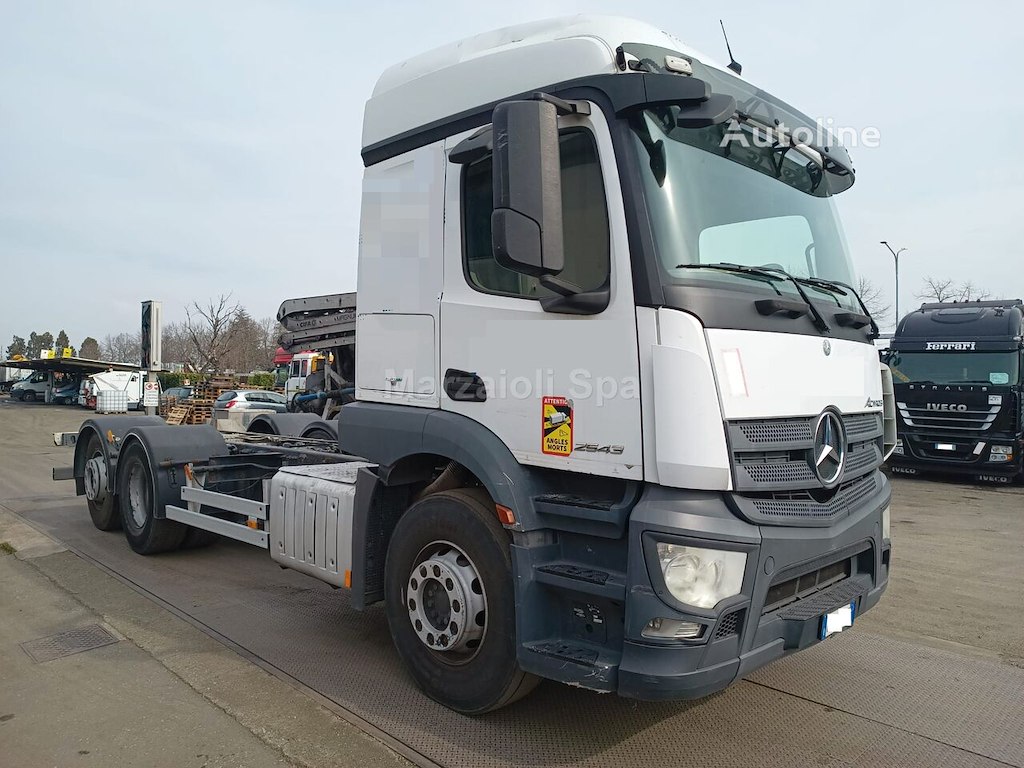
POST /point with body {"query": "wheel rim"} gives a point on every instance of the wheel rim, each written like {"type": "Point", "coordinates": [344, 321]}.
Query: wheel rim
{"type": "Point", "coordinates": [96, 478]}
{"type": "Point", "coordinates": [447, 603]}
{"type": "Point", "coordinates": [138, 494]}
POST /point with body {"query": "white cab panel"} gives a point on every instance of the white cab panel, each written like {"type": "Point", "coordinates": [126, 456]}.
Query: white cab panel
{"type": "Point", "coordinates": [523, 353]}
{"type": "Point", "coordinates": [400, 277]}
{"type": "Point", "coordinates": [690, 450]}
{"type": "Point", "coordinates": [402, 358]}
{"type": "Point", "coordinates": [773, 375]}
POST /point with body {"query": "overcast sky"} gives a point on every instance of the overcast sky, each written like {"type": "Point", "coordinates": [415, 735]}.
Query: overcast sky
{"type": "Point", "coordinates": [178, 150]}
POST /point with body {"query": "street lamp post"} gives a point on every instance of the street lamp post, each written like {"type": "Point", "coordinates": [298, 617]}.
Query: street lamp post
{"type": "Point", "coordinates": [896, 258]}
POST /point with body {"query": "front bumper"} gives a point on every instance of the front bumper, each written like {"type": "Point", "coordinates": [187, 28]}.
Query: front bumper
{"type": "Point", "coordinates": [920, 454]}
{"type": "Point", "coordinates": [765, 621]}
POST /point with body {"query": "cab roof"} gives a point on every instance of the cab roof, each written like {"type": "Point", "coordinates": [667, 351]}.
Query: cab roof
{"type": "Point", "coordinates": [482, 69]}
{"type": "Point", "coordinates": [990, 325]}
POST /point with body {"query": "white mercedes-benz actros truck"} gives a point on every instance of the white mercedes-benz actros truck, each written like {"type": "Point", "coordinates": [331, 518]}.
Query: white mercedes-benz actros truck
{"type": "Point", "coordinates": [615, 414]}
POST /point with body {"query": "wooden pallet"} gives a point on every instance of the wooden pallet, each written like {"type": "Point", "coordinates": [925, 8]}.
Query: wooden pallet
{"type": "Point", "coordinates": [178, 415]}
{"type": "Point", "coordinates": [199, 415]}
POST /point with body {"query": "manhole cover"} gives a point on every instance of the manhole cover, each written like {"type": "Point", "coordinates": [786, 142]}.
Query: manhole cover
{"type": "Point", "coordinates": [68, 643]}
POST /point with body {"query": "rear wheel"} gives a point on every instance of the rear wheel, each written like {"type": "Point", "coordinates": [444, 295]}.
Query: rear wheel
{"type": "Point", "coordinates": [451, 605]}
{"type": "Point", "coordinates": [136, 485]}
{"type": "Point", "coordinates": [102, 502]}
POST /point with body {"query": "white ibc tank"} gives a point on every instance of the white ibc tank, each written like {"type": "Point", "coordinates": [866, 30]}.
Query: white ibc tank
{"type": "Point", "coordinates": [111, 401]}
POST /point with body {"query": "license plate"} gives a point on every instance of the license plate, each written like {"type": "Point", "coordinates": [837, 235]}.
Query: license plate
{"type": "Point", "coordinates": [837, 620]}
{"type": "Point", "coordinates": [945, 447]}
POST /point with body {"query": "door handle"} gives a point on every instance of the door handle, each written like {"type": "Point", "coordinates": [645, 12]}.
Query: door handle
{"type": "Point", "coordinates": [464, 386]}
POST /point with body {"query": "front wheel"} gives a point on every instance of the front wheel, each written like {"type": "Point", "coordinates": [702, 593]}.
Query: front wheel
{"type": "Point", "coordinates": [29, 397]}
{"type": "Point", "coordinates": [137, 495]}
{"type": "Point", "coordinates": [451, 604]}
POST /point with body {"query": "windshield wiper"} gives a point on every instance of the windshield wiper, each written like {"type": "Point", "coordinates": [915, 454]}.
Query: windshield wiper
{"type": "Point", "coordinates": [819, 319]}
{"type": "Point", "coordinates": [772, 273]}
{"type": "Point", "coordinates": [843, 288]}
{"type": "Point", "coordinates": [725, 266]}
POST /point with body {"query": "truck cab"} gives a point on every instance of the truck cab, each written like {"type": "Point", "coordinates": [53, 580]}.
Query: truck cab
{"type": "Point", "coordinates": [618, 297]}
{"type": "Point", "coordinates": [301, 366]}
{"type": "Point", "coordinates": [957, 376]}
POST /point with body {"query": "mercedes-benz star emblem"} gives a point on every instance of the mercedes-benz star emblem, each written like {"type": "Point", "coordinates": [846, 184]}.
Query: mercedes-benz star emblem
{"type": "Point", "coordinates": [829, 449]}
{"type": "Point", "coordinates": [826, 347]}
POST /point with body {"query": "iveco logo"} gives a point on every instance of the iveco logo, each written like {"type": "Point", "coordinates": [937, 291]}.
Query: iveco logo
{"type": "Point", "coordinates": [826, 347]}
{"type": "Point", "coordinates": [945, 406]}
{"type": "Point", "coordinates": [829, 449]}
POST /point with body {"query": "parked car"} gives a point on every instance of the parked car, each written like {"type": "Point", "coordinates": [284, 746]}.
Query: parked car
{"type": "Point", "coordinates": [66, 391]}
{"type": "Point", "coordinates": [248, 399]}
{"type": "Point", "coordinates": [180, 394]}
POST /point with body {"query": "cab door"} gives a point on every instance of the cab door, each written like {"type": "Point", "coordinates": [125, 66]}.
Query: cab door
{"type": "Point", "coordinates": [560, 390]}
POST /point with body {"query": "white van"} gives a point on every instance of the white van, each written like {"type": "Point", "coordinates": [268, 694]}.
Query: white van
{"type": "Point", "coordinates": [34, 387]}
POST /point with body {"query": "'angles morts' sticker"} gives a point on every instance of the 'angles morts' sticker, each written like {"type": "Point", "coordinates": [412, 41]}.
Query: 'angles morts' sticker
{"type": "Point", "coordinates": [556, 426]}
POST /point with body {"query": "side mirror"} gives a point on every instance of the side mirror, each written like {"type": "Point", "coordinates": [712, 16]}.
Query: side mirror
{"type": "Point", "coordinates": [526, 224]}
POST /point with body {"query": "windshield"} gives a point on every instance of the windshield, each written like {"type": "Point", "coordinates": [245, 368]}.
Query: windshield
{"type": "Point", "coordinates": [712, 204]}
{"type": "Point", "coordinates": [955, 367]}
{"type": "Point", "coordinates": [742, 192]}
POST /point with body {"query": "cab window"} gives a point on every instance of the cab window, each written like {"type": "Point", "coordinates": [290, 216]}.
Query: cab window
{"type": "Point", "coordinates": [584, 219]}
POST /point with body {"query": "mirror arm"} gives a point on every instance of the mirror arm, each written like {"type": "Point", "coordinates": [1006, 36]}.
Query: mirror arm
{"type": "Point", "coordinates": [559, 286]}
{"type": "Point", "coordinates": [563, 106]}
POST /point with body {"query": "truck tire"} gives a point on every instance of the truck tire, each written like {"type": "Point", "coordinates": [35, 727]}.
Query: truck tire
{"type": "Point", "coordinates": [136, 487]}
{"type": "Point", "coordinates": [104, 513]}
{"type": "Point", "coordinates": [450, 602]}
{"type": "Point", "coordinates": [196, 538]}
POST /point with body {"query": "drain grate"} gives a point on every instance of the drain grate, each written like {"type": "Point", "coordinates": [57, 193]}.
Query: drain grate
{"type": "Point", "coordinates": [68, 643]}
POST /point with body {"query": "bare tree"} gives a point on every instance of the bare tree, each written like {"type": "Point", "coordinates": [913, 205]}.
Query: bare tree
{"type": "Point", "coordinates": [945, 289]}
{"type": "Point", "coordinates": [175, 343]}
{"type": "Point", "coordinates": [123, 348]}
{"type": "Point", "coordinates": [211, 330]}
{"type": "Point", "coordinates": [247, 350]}
{"type": "Point", "coordinates": [873, 300]}
{"type": "Point", "coordinates": [271, 331]}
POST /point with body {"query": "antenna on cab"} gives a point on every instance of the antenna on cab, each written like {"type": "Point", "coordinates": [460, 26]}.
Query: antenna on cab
{"type": "Point", "coordinates": [734, 65]}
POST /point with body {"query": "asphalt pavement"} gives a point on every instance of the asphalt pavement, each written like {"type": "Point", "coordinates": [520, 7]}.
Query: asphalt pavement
{"type": "Point", "coordinates": [280, 668]}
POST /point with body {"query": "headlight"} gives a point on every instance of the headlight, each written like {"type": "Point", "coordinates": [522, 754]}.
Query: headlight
{"type": "Point", "coordinates": [701, 577]}
{"type": "Point", "coordinates": [885, 524]}
{"type": "Point", "coordinates": [898, 448]}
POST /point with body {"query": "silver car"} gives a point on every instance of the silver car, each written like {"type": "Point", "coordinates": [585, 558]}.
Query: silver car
{"type": "Point", "coordinates": [248, 399]}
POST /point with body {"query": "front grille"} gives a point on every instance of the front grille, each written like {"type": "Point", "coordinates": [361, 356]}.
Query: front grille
{"type": "Point", "coordinates": [729, 624]}
{"type": "Point", "coordinates": [765, 469]}
{"type": "Point", "coordinates": [775, 455]}
{"type": "Point", "coordinates": [783, 507]}
{"type": "Point", "coordinates": [805, 585]}
{"type": "Point", "coordinates": [862, 426]}
{"type": "Point", "coordinates": [777, 431]}
{"type": "Point", "coordinates": [972, 420]}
